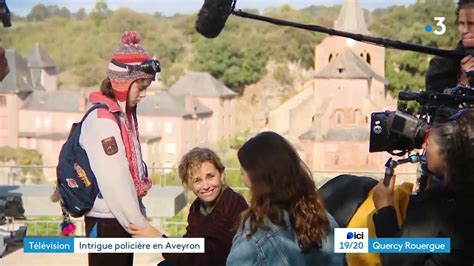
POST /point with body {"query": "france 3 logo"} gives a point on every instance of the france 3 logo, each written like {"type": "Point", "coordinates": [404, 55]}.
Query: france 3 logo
{"type": "Point", "coordinates": [351, 240]}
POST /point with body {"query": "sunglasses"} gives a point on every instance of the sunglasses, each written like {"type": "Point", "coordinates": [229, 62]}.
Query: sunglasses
{"type": "Point", "coordinates": [150, 66]}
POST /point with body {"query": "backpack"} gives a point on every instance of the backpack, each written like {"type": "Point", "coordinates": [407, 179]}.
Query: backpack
{"type": "Point", "coordinates": [76, 183]}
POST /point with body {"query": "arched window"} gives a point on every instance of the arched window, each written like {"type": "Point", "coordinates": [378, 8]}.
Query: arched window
{"type": "Point", "coordinates": [330, 58]}
{"type": "Point", "coordinates": [339, 117]}
{"type": "Point", "coordinates": [368, 58]}
{"type": "Point", "coordinates": [357, 116]}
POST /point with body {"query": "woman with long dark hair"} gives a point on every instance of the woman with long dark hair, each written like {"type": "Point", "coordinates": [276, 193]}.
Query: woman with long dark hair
{"type": "Point", "coordinates": [443, 209]}
{"type": "Point", "coordinates": [286, 223]}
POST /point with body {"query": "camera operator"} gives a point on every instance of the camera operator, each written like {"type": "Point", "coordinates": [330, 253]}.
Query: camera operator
{"type": "Point", "coordinates": [443, 209]}
{"type": "Point", "coordinates": [446, 72]}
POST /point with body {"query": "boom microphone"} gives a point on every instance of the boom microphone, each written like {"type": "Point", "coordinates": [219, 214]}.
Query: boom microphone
{"type": "Point", "coordinates": [214, 13]}
{"type": "Point", "coordinates": [212, 17]}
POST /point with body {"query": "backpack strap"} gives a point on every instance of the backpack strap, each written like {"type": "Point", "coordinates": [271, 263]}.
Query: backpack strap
{"type": "Point", "coordinates": [116, 115]}
{"type": "Point", "coordinates": [102, 105]}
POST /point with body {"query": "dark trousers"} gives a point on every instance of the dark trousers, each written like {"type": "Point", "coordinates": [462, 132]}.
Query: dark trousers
{"type": "Point", "coordinates": [108, 228]}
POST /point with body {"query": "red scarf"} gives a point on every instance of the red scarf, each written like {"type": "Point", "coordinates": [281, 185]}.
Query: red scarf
{"type": "Point", "coordinates": [142, 186]}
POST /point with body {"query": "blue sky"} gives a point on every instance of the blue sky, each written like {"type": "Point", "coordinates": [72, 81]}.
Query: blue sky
{"type": "Point", "coordinates": [171, 7]}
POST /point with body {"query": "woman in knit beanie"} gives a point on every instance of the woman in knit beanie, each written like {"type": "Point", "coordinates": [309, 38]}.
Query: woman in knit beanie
{"type": "Point", "coordinates": [114, 149]}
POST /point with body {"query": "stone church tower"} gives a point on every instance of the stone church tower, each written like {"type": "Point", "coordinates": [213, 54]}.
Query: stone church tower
{"type": "Point", "coordinates": [328, 121]}
{"type": "Point", "coordinates": [351, 19]}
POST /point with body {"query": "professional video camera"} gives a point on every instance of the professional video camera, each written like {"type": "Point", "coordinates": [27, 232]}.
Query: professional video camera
{"type": "Point", "coordinates": [7, 237]}
{"type": "Point", "coordinates": [11, 206]}
{"type": "Point", "coordinates": [401, 131]}
{"type": "Point", "coordinates": [396, 131]}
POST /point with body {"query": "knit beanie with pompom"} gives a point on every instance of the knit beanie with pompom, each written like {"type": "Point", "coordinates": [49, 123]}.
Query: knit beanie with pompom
{"type": "Point", "coordinates": [129, 52]}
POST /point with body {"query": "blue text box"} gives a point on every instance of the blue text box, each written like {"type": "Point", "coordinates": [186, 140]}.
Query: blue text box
{"type": "Point", "coordinates": [409, 245]}
{"type": "Point", "coordinates": [48, 245]}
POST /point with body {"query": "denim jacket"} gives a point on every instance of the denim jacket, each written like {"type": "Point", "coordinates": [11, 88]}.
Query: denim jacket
{"type": "Point", "coordinates": [279, 246]}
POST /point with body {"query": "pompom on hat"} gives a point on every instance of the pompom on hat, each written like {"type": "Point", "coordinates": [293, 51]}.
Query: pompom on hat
{"type": "Point", "coordinates": [129, 52]}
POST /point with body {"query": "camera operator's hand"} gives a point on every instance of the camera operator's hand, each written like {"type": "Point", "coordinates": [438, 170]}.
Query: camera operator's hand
{"type": "Point", "coordinates": [467, 66]}
{"type": "Point", "coordinates": [382, 195]}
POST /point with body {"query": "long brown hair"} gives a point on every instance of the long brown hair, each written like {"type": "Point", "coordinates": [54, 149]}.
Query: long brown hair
{"type": "Point", "coordinates": [280, 180]}
{"type": "Point", "coordinates": [456, 142]}
{"type": "Point", "coordinates": [106, 88]}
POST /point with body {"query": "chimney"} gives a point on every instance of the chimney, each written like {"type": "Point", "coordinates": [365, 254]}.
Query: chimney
{"type": "Point", "coordinates": [82, 101]}
{"type": "Point", "coordinates": [190, 106]}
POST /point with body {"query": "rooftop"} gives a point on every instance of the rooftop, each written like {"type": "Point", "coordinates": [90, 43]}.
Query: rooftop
{"type": "Point", "coordinates": [200, 84]}
{"type": "Point", "coordinates": [19, 78]}
{"type": "Point", "coordinates": [348, 65]}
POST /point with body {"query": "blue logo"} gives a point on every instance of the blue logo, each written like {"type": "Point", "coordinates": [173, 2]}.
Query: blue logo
{"type": "Point", "coordinates": [355, 235]}
{"type": "Point", "coordinates": [350, 235]}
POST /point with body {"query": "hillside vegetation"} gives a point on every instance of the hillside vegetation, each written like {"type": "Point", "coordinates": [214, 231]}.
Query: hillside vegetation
{"type": "Point", "coordinates": [81, 44]}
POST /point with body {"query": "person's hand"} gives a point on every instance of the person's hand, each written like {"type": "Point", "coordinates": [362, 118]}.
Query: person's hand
{"type": "Point", "coordinates": [467, 64]}
{"type": "Point", "coordinates": [382, 195]}
{"type": "Point", "coordinates": [147, 231]}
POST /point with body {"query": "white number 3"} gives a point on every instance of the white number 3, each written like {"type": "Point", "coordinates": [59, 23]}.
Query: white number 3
{"type": "Point", "coordinates": [440, 24]}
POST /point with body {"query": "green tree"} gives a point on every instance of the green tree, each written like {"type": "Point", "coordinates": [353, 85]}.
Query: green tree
{"type": "Point", "coordinates": [125, 19]}
{"type": "Point", "coordinates": [226, 60]}
{"type": "Point", "coordinates": [405, 70]}
{"type": "Point", "coordinates": [238, 140]}
{"type": "Point", "coordinates": [100, 12]}
{"type": "Point", "coordinates": [64, 12]}
{"type": "Point", "coordinates": [16, 18]}
{"type": "Point", "coordinates": [38, 13]}
{"type": "Point", "coordinates": [80, 14]}
{"type": "Point", "coordinates": [41, 12]}
{"type": "Point", "coordinates": [81, 48]}
{"type": "Point", "coordinates": [282, 75]}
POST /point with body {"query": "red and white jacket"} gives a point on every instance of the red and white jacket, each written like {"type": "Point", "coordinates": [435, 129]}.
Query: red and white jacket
{"type": "Point", "coordinates": [116, 160]}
